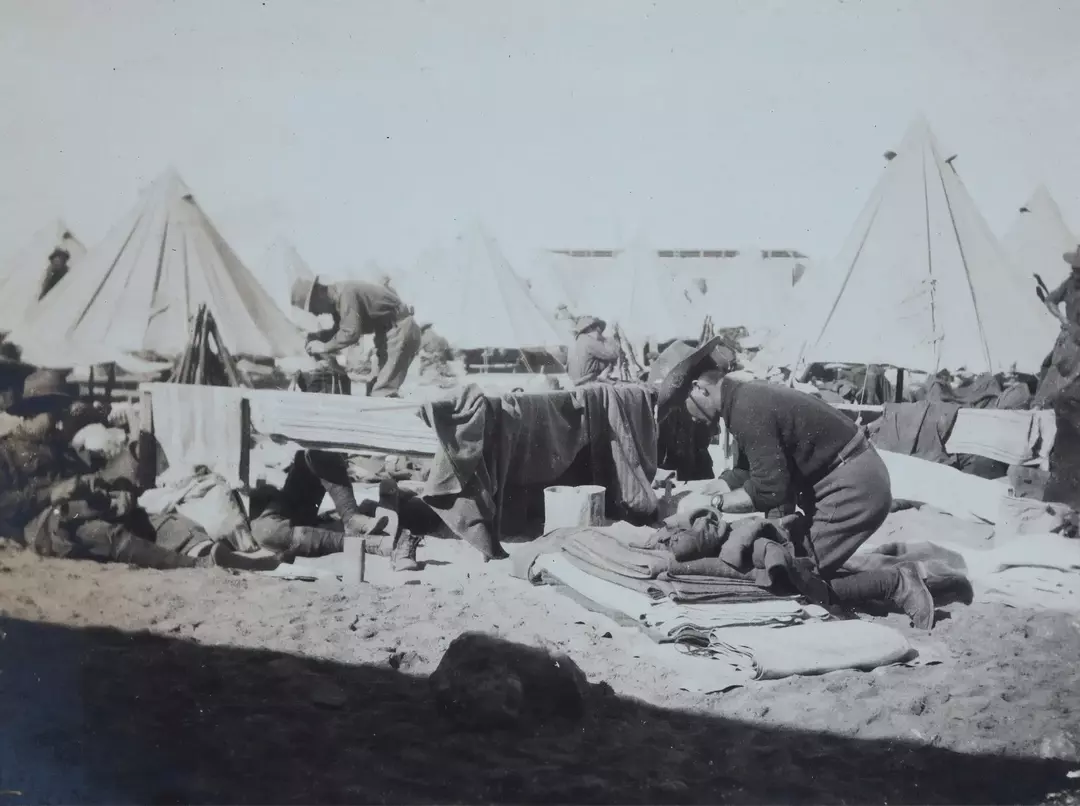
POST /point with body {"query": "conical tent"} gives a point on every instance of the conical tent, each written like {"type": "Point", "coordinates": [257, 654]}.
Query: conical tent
{"type": "Point", "coordinates": [761, 295]}
{"type": "Point", "coordinates": [642, 297]}
{"type": "Point", "coordinates": [922, 283]}
{"type": "Point", "coordinates": [137, 291]}
{"type": "Point", "coordinates": [549, 285]}
{"type": "Point", "coordinates": [280, 267]}
{"type": "Point", "coordinates": [371, 271]}
{"type": "Point", "coordinates": [1038, 239]}
{"type": "Point", "coordinates": [22, 275]}
{"type": "Point", "coordinates": [474, 299]}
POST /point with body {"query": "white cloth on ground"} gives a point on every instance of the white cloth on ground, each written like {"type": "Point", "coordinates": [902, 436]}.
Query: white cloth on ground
{"type": "Point", "coordinates": [815, 647]}
{"type": "Point", "coordinates": [205, 498]}
{"type": "Point", "coordinates": [944, 488]}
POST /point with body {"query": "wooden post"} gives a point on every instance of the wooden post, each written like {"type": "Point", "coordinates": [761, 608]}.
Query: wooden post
{"type": "Point", "coordinates": [899, 385]}
{"type": "Point", "coordinates": [147, 445]}
{"type": "Point", "coordinates": [355, 561]}
{"type": "Point", "coordinates": [245, 443]}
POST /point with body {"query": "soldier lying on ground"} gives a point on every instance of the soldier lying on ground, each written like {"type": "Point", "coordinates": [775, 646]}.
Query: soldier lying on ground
{"type": "Point", "coordinates": [51, 500]}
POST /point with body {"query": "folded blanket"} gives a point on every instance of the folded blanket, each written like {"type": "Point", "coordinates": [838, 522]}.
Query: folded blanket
{"type": "Point", "coordinates": [772, 638]}
{"type": "Point", "coordinates": [712, 589]}
{"type": "Point", "coordinates": [769, 565]}
{"type": "Point", "coordinates": [600, 548]}
{"type": "Point", "coordinates": [816, 647]}
{"type": "Point", "coordinates": [663, 618]}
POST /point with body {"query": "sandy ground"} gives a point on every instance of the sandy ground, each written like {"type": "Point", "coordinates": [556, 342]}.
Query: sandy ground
{"type": "Point", "coordinates": [123, 685]}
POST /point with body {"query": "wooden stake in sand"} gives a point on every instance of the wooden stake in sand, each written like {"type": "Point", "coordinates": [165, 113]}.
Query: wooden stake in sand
{"type": "Point", "coordinates": [355, 561]}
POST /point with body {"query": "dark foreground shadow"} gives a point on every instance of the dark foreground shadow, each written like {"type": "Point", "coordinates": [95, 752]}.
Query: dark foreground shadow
{"type": "Point", "coordinates": [100, 716]}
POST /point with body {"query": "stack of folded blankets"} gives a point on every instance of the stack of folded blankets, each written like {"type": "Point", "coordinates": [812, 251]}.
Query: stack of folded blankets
{"type": "Point", "coordinates": [699, 559]}
{"type": "Point", "coordinates": [765, 639]}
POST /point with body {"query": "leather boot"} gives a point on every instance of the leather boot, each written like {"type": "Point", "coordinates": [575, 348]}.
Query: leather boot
{"type": "Point", "coordinates": [379, 545]}
{"type": "Point", "coordinates": [401, 551]}
{"type": "Point", "coordinates": [224, 557]}
{"type": "Point", "coordinates": [945, 585]}
{"type": "Point", "coordinates": [359, 525]}
{"type": "Point", "coordinates": [913, 598]}
{"type": "Point", "coordinates": [403, 555]}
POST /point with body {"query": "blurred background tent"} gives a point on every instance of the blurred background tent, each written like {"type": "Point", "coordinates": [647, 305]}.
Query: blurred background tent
{"type": "Point", "coordinates": [137, 291]}
{"type": "Point", "coordinates": [636, 292]}
{"type": "Point", "coordinates": [281, 265]}
{"type": "Point", "coordinates": [472, 296]}
{"type": "Point", "coordinates": [22, 274]}
{"type": "Point", "coordinates": [1038, 239]}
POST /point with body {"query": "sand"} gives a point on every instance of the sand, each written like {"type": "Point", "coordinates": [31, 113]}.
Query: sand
{"type": "Point", "coordinates": [126, 685]}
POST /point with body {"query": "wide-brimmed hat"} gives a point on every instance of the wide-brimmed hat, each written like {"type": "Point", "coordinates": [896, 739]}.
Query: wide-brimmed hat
{"type": "Point", "coordinates": [42, 390]}
{"type": "Point", "coordinates": [58, 252]}
{"type": "Point", "coordinates": [681, 364]}
{"type": "Point", "coordinates": [1073, 258]}
{"type": "Point", "coordinates": [583, 323]}
{"type": "Point", "coordinates": [302, 291]}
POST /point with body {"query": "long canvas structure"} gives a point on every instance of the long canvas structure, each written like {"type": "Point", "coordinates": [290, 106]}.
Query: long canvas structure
{"type": "Point", "coordinates": [137, 291]}
{"type": "Point", "coordinates": [22, 275]}
{"type": "Point", "coordinates": [922, 283]}
{"type": "Point", "coordinates": [1038, 239]}
{"type": "Point", "coordinates": [472, 296]}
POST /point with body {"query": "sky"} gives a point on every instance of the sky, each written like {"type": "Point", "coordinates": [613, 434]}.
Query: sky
{"type": "Point", "coordinates": [361, 129]}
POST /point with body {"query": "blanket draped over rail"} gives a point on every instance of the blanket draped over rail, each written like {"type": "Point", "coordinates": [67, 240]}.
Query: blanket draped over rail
{"type": "Point", "coordinates": [488, 445]}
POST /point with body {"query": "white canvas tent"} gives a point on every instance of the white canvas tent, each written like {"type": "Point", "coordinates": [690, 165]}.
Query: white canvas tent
{"type": "Point", "coordinates": [137, 291]}
{"type": "Point", "coordinates": [642, 297]}
{"type": "Point", "coordinates": [372, 272]}
{"type": "Point", "coordinates": [280, 267]}
{"type": "Point", "coordinates": [472, 296]}
{"type": "Point", "coordinates": [21, 276]}
{"type": "Point", "coordinates": [762, 295]}
{"type": "Point", "coordinates": [549, 284]}
{"type": "Point", "coordinates": [1038, 240]}
{"type": "Point", "coordinates": [922, 283]}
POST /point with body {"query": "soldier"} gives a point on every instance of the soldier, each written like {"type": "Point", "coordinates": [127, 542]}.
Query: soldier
{"type": "Point", "coordinates": [360, 309]}
{"type": "Point", "coordinates": [802, 450]}
{"type": "Point", "coordinates": [592, 357]}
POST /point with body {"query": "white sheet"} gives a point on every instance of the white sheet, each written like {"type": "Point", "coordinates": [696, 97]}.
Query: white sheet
{"type": "Point", "coordinates": [1012, 437]}
{"type": "Point", "coordinates": [1040, 572]}
{"type": "Point", "coordinates": [944, 488]}
{"type": "Point", "coordinates": [199, 425]}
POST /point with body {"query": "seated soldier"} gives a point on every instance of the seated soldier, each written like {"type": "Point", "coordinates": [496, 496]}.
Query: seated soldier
{"type": "Point", "coordinates": [592, 357]}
